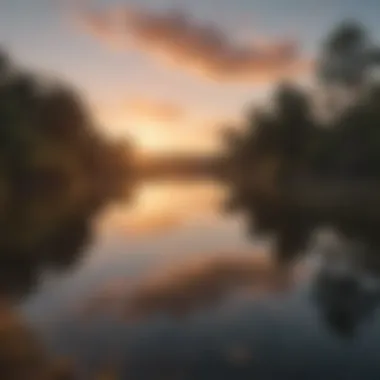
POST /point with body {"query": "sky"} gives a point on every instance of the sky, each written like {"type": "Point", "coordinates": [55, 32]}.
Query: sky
{"type": "Point", "coordinates": [171, 73]}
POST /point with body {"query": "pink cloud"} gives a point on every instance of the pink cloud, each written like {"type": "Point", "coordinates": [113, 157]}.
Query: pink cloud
{"type": "Point", "coordinates": [194, 46]}
{"type": "Point", "coordinates": [158, 110]}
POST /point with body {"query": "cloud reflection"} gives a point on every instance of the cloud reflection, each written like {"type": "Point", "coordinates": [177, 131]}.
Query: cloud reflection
{"type": "Point", "coordinates": [163, 207]}
{"type": "Point", "coordinates": [190, 286]}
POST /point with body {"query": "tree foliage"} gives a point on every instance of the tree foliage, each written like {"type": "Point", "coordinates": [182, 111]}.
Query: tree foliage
{"type": "Point", "coordinates": [56, 171]}
{"type": "Point", "coordinates": [292, 143]}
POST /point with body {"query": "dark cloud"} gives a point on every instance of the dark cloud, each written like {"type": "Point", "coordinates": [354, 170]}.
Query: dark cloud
{"type": "Point", "coordinates": [193, 45]}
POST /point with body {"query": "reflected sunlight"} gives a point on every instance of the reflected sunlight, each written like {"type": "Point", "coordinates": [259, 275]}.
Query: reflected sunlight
{"type": "Point", "coordinates": [160, 207]}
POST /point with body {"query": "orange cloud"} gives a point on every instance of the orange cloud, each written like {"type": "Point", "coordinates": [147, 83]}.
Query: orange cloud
{"type": "Point", "coordinates": [156, 110]}
{"type": "Point", "coordinates": [99, 27]}
{"type": "Point", "coordinates": [195, 46]}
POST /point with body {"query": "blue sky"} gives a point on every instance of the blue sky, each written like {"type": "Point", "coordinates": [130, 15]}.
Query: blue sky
{"type": "Point", "coordinates": [41, 34]}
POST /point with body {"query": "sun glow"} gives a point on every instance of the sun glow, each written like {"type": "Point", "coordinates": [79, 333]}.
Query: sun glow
{"type": "Point", "coordinates": [149, 137]}
{"type": "Point", "coordinates": [146, 136]}
{"type": "Point", "coordinates": [156, 136]}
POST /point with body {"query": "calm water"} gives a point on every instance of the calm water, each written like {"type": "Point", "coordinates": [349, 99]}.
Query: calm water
{"type": "Point", "coordinates": [263, 334]}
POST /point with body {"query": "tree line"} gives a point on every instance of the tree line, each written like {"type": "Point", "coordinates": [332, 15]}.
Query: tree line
{"type": "Point", "coordinates": [57, 170]}
{"type": "Point", "coordinates": [313, 157]}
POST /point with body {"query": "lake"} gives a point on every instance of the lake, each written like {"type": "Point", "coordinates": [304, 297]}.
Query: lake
{"type": "Point", "coordinates": [235, 329]}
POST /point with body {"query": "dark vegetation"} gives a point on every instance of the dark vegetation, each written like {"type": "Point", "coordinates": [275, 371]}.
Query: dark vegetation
{"type": "Point", "coordinates": [56, 172]}
{"type": "Point", "coordinates": [177, 167]}
{"type": "Point", "coordinates": [298, 167]}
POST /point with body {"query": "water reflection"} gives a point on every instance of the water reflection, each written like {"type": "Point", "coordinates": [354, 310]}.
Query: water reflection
{"type": "Point", "coordinates": [196, 284]}
{"type": "Point", "coordinates": [163, 206]}
{"type": "Point", "coordinates": [347, 284]}
{"type": "Point", "coordinates": [199, 299]}
{"type": "Point", "coordinates": [196, 299]}
{"type": "Point", "coordinates": [22, 355]}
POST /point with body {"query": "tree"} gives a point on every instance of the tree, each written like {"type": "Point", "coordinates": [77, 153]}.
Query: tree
{"type": "Point", "coordinates": [56, 171]}
{"type": "Point", "coordinates": [347, 56]}
{"type": "Point", "coordinates": [278, 153]}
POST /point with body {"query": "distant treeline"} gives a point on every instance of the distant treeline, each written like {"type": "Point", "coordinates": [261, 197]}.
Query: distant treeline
{"type": "Point", "coordinates": [177, 167]}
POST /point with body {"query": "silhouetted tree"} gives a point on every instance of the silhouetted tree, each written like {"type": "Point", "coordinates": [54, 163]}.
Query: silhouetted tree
{"type": "Point", "coordinates": [277, 153]}
{"type": "Point", "coordinates": [56, 170]}
{"type": "Point", "coordinates": [348, 55]}
{"type": "Point", "coordinates": [272, 149]}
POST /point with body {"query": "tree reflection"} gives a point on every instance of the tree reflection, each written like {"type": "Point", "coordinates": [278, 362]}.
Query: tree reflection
{"type": "Point", "coordinates": [346, 288]}
{"type": "Point", "coordinates": [343, 304]}
{"type": "Point", "coordinates": [272, 150]}
{"type": "Point", "coordinates": [292, 171]}
{"type": "Point", "coordinates": [57, 171]}
{"type": "Point", "coordinates": [289, 168]}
